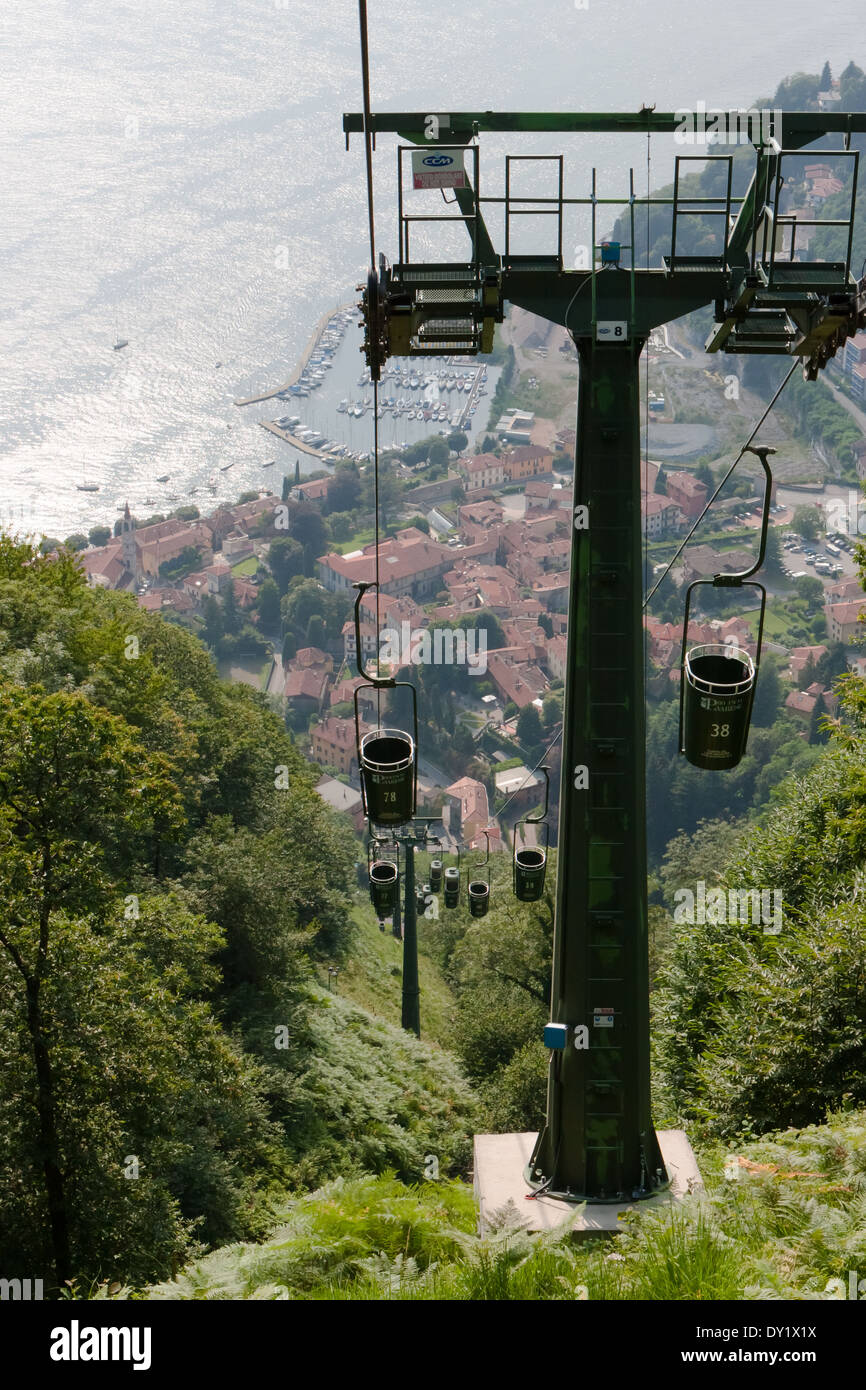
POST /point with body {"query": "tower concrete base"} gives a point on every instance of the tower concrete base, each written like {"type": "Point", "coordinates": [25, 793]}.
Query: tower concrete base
{"type": "Point", "coordinates": [500, 1160]}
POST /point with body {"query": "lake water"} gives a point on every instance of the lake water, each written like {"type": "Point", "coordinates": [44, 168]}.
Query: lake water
{"type": "Point", "coordinates": [176, 174]}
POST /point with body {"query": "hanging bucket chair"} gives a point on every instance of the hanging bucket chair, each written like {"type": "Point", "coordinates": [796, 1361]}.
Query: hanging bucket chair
{"type": "Point", "coordinates": [530, 861]}
{"type": "Point", "coordinates": [718, 690]}
{"type": "Point", "coordinates": [452, 884]}
{"type": "Point", "coordinates": [387, 757]}
{"type": "Point", "coordinates": [718, 680]}
{"type": "Point", "coordinates": [383, 887]}
{"type": "Point", "coordinates": [478, 889]}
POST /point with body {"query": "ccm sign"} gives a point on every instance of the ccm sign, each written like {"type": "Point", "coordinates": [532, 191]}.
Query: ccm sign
{"type": "Point", "coordinates": [437, 169]}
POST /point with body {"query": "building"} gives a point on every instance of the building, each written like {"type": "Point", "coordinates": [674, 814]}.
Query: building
{"type": "Point", "coordinates": [660, 515]}
{"type": "Point", "coordinates": [305, 690]}
{"type": "Point", "coordinates": [516, 426]}
{"type": "Point", "coordinates": [557, 651]}
{"type": "Point", "coordinates": [128, 547]}
{"type": "Point", "coordinates": [519, 785]}
{"type": "Point", "coordinates": [482, 471]}
{"type": "Point", "coordinates": [344, 799]}
{"type": "Point", "coordinates": [468, 811]}
{"type": "Point", "coordinates": [689, 494]}
{"type": "Point", "coordinates": [314, 491]}
{"type": "Point", "coordinates": [526, 461]}
{"type": "Point", "coordinates": [164, 541]}
{"type": "Point", "coordinates": [843, 620]}
{"type": "Point", "coordinates": [410, 563]}
{"type": "Point", "coordinates": [218, 576]}
{"type": "Point", "coordinates": [702, 562]}
{"type": "Point", "coordinates": [802, 703]}
{"type": "Point", "coordinates": [393, 613]}
{"type": "Point", "coordinates": [105, 567]}
{"type": "Point", "coordinates": [482, 514]}
{"type": "Point", "coordinates": [518, 682]}
{"type": "Point", "coordinates": [801, 656]}
{"type": "Point", "coordinates": [332, 743]}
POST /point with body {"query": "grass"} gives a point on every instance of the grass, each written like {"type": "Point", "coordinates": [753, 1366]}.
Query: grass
{"type": "Point", "coordinates": [780, 1219]}
{"type": "Point", "coordinates": [359, 539]}
{"type": "Point", "coordinates": [373, 978]}
{"type": "Point", "coordinates": [246, 567]}
{"type": "Point", "coordinates": [547, 403]}
{"type": "Point", "coordinates": [776, 624]}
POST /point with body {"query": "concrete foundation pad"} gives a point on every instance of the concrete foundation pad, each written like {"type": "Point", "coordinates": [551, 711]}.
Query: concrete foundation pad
{"type": "Point", "coordinates": [500, 1160]}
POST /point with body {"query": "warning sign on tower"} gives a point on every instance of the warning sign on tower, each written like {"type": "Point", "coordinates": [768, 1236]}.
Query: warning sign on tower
{"type": "Point", "coordinates": [602, 1018]}
{"type": "Point", "coordinates": [438, 169]}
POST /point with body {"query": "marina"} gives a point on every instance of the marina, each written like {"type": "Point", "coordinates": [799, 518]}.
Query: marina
{"type": "Point", "coordinates": [446, 395]}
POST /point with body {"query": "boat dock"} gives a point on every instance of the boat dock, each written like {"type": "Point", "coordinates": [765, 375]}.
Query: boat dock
{"type": "Point", "coordinates": [304, 359]}
{"type": "Point", "coordinates": [296, 443]}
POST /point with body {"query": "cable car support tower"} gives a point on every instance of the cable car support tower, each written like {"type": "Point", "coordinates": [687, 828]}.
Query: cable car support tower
{"type": "Point", "coordinates": [599, 1144]}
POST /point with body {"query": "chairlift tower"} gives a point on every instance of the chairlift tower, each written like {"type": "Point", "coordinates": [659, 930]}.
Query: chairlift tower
{"type": "Point", "coordinates": [599, 1144]}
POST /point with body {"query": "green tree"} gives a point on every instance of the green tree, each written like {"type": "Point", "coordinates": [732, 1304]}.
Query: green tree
{"type": "Point", "coordinates": [306, 597]}
{"type": "Point", "coordinates": [390, 490]}
{"type": "Point", "coordinates": [826, 78]}
{"type": "Point", "coordinates": [704, 474]}
{"type": "Point", "coordinates": [269, 605]}
{"type": "Point", "coordinates": [773, 552]}
{"type": "Point", "coordinates": [316, 630]}
{"type": "Point", "coordinates": [188, 513]}
{"type": "Point", "coordinates": [285, 559]}
{"type": "Point", "coordinates": [214, 625]}
{"type": "Point", "coordinates": [340, 525]}
{"type": "Point", "coordinates": [551, 711]}
{"type": "Point", "coordinates": [482, 620]}
{"type": "Point", "coordinates": [529, 730]}
{"type": "Point", "coordinates": [817, 734]}
{"type": "Point", "coordinates": [285, 489]}
{"type": "Point", "coordinates": [457, 441]}
{"type": "Point", "coordinates": [438, 453]}
{"type": "Point", "coordinates": [545, 622]}
{"type": "Point", "coordinates": [75, 784]}
{"type": "Point", "coordinates": [421, 523]}
{"type": "Point", "coordinates": [78, 541]}
{"type": "Point", "coordinates": [810, 589]}
{"type": "Point", "coordinates": [309, 529]}
{"type": "Point", "coordinates": [852, 88]}
{"type": "Point", "coordinates": [344, 489]}
{"type": "Point", "coordinates": [232, 619]}
{"type": "Point", "coordinates": [768, 693]}
{"type": "Point", "coordinates": [806, 522]}
{"type": "Point", "coordinates": [99, 535]}
{"type": "Point", "coordinates": [798, 92]}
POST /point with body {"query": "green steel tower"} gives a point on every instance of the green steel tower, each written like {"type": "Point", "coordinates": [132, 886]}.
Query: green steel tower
{"type": "Point", "coordinates": [598, 1143]}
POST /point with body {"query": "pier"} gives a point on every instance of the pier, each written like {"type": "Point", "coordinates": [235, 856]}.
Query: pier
{"type": "Point", "coordinates": [305, 357]}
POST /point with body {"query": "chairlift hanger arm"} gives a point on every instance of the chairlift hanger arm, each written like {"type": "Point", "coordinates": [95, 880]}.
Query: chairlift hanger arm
{"type": "Point", "coordinates": [536, 820]}
{"type": "Point", "coordinates": [731, 581]}
{"type": "Point", "coordinates": [458, 127]}
{"type": "Point", "coordinates": [380, 682]}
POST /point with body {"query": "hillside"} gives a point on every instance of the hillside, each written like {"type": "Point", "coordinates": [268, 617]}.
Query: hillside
{"type": "Point", "coordinates": [172, 893]}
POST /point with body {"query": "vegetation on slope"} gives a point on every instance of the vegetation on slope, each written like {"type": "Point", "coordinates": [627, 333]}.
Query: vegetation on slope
{"type": "Point", "coordinates": [170, 886]}
{"type": "Point", "coordinates": [780, 1219]}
